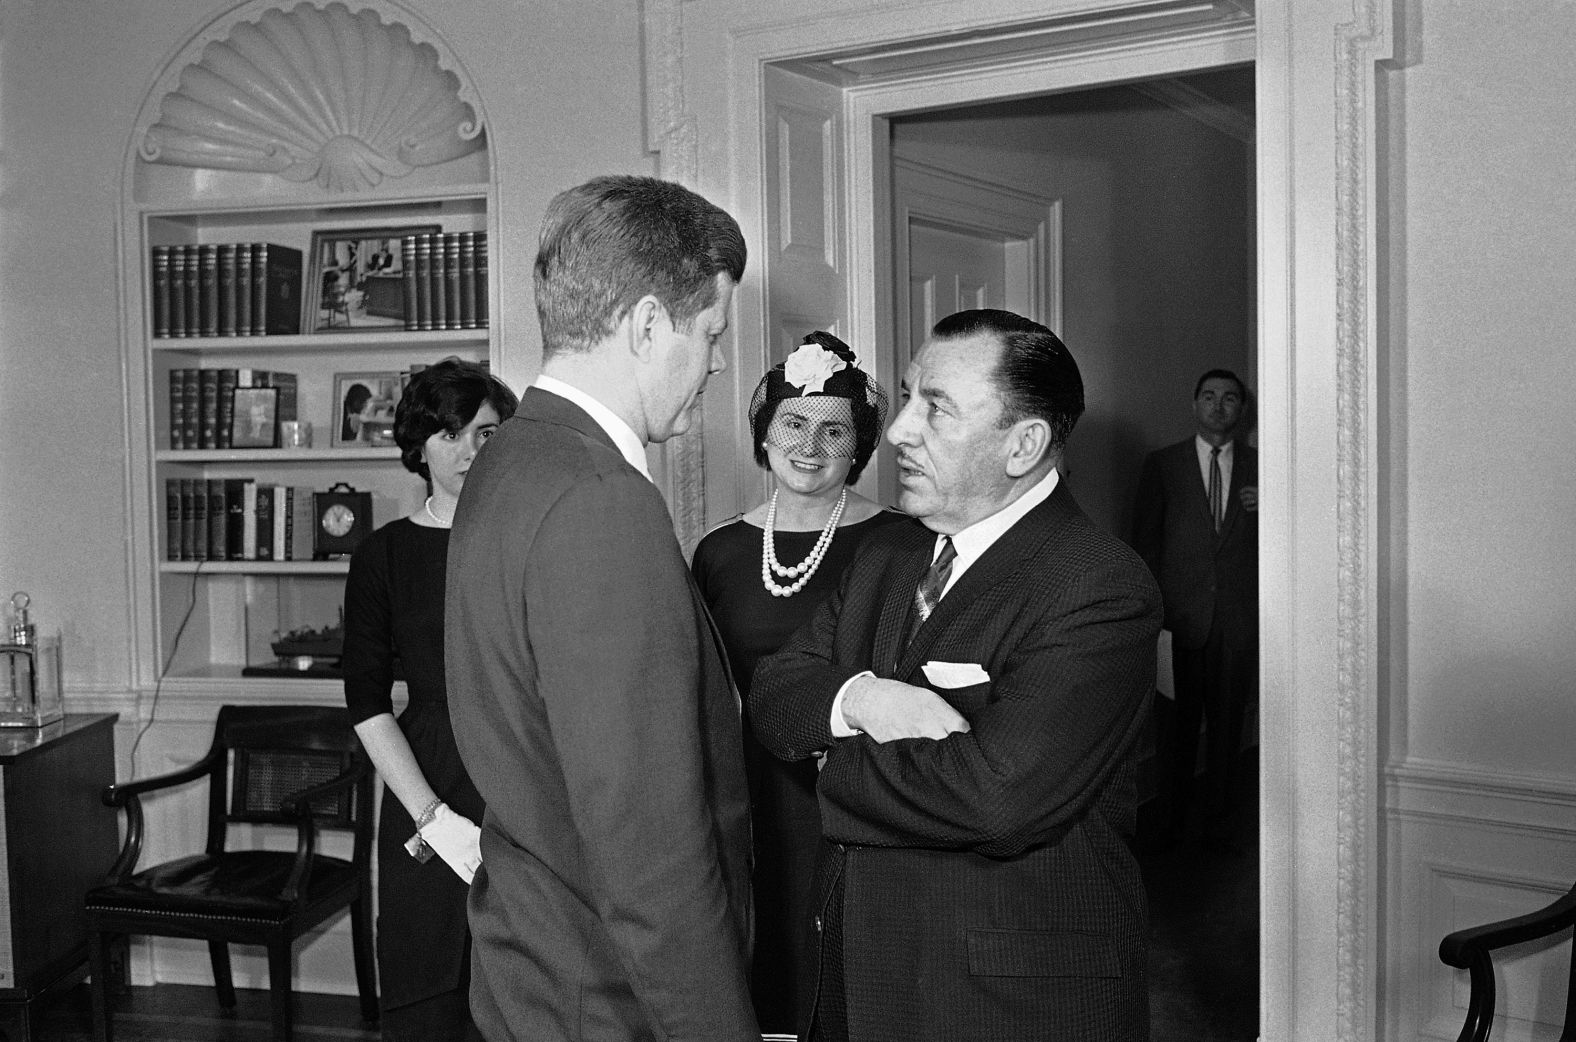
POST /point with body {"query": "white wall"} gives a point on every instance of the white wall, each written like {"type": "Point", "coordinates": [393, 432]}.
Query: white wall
{"type": "Point", "coordinates": [1157, 277]}
{"type": "Point", "coordinates": [1482, 238]}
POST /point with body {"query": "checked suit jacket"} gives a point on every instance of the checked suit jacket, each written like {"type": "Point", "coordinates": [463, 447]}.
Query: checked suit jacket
{"type": "Point", "coordinates": [988, 892]}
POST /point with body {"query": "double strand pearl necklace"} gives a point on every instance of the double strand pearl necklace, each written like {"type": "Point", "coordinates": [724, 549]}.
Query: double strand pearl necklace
{"type": "Point", "coordinates": [805, 568]}
{"type": "Point", "coordinates": [440, 522]}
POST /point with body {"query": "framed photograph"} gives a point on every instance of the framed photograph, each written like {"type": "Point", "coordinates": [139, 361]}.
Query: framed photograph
{"type": "Point", "coordinates": [364, 408]}
{"type": "Point", "coordinates": [254, 423]}
{"type": "Point", "coordinates": [356, 279]}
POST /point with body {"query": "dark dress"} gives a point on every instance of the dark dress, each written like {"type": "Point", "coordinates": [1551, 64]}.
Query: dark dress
{"type": "Point", "coordinates": [787, 822]}
{"type": "Point", "coordinates": [394, 629]}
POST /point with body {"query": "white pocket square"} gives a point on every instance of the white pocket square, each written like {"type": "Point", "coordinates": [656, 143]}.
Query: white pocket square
{"type": "Point", "coordinates": [954, 674]}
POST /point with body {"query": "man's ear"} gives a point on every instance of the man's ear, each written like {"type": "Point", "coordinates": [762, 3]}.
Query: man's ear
{"type": "Point", "coordinates": [1028, 444]}
{"type": "Point", "coordinates": [645, 318]}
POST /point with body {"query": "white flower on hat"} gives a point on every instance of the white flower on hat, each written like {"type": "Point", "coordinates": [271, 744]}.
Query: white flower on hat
{"type": "Point", "coordinates": [810, 366]}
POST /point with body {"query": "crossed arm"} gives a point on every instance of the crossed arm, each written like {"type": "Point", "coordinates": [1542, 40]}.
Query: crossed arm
{"type": "Point", "coordinates": [1064, 702]}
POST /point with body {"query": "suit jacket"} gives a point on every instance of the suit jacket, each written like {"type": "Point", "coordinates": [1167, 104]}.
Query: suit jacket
{"type": "Point", "coordinates": [593, 707]}
{"type": "Point", "coordinates": [1203, 575]}
{"type": "Point", "coordinates": [988, 892]}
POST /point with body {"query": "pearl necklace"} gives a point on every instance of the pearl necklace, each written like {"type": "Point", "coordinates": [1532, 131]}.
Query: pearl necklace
{"type": "Point", "coordinates": [805, 568]}
{"type": "Point", "coordinates": [440, 522]}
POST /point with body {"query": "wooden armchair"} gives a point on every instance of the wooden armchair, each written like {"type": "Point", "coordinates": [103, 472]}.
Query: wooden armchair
{"type": "Point", "coordinates": [296, 766]}
{"type": "Point", "coordinates": [1472, 950]}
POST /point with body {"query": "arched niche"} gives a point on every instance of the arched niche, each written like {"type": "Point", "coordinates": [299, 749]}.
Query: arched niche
{"type": "Point", "coordinates": [281, 102]}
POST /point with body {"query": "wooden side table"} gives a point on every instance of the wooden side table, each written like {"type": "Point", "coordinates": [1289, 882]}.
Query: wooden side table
{"type": "Point", "coordinates": [56, 839]}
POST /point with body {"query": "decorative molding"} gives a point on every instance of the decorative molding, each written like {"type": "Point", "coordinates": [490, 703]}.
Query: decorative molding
{"type": "Point", "coordinates": [1456, 796]}
{"type": "Point", "coordinates": [671, 134]}
{"type": "Point", "coordinates": [1358, 47]}
{"type": "Point", "coordinates": [322, 94]}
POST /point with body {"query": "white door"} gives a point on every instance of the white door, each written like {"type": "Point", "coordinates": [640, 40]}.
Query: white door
{"type": "Point", "coordinates": [950, 269]}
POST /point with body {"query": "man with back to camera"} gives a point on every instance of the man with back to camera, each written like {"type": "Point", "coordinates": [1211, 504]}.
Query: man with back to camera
{"type": "Point", "coordinates": [977, 685]}
{"type": "Point", "coordinates": [1196, 526]}
{"type": "Point", "coordinates": [589, 696]}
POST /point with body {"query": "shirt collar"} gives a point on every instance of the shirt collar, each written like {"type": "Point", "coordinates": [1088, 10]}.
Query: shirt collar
{"type": "Point", "coordinates": [1203, 448]}
{"type": "Point", "coordinates": [972, 542]}
{"type": "Point", "coordinates": [624, 437]}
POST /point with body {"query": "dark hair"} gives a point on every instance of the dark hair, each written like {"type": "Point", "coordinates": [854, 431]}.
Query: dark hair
{"type": "Point", "coordinates": [445, 397]}
{"type": "Point", "coordinates": [609, 242]}
{"type": "Point", "coordinates": [1221, 374]}
{"type": "Point", "coordinates": [867, 404]}
{"type": "Point", "coordinates": [1036, 374]}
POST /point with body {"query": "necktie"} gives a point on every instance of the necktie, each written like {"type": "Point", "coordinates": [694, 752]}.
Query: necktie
{"type": "Point", "coordinates": [928, 595]}
{"type": "Point", "coordinates": [1217, 501]}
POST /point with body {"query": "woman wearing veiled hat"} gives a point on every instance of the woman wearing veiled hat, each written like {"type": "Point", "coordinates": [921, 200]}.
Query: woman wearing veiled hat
{"type": "Point", "coordinates": [815, 421]}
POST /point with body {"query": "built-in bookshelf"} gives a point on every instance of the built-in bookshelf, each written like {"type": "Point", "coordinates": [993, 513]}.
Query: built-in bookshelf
{"type": "Point", "coordinates": [339, 310]}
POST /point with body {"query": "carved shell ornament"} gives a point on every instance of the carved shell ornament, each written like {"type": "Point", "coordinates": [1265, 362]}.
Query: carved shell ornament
{"type": "Point", "coordinates": [315, 94]}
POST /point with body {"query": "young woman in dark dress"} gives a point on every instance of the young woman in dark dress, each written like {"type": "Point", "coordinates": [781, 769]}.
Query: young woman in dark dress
{"type": "Point", "coordinates": [815, 421]}
{"type": "Point", "coordinates": [427, 834]}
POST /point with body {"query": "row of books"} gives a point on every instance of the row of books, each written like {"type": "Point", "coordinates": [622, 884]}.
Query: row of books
{"type": "Point", "coordinates": [202, 405]}
{"type": "Point", "coordinates": [226, 289]}
{"type": "Point", "coordinates": [236, 519]}
{"type": "Point", "coordinates": [445, 280]}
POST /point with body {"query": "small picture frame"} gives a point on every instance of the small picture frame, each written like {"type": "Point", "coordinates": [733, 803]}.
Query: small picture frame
{"type": "Point", "coordinates": [357, 278]}
{"type": "Point", "coordinates": [254, 421]}
{"type": "Point", "coordinates": [364, 409]}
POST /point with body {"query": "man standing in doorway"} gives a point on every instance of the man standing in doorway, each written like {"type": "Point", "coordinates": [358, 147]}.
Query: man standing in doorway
{"type": "Point", "coordinates": [977, 685]}
{"type": "Point", "coordinates": [1196, 525]}
{"type": "Point", "coordinates": [591, 701]}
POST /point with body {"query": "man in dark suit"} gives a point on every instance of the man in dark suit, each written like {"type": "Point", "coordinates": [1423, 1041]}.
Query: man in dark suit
{"type": "Point", "coordinates": [590, 700]}
{"type": "Point", "coordinates": [1196, 526]}
{"type": "Point", "coordinates": [976, 686]}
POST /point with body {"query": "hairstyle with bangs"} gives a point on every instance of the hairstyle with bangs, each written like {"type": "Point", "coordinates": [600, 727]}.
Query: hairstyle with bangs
{"type": "Point", "coordinates": [609, 242]}
{"type": "Point", "coordinates": [445, 397]}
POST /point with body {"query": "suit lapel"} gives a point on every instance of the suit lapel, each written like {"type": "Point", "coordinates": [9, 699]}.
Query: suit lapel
{"type": "Point", "coordinates": [1242, 467]}
{"type": "Point", "coordinates": [996, 565]}
{"type": "Point", "coordinates": [897, 600]}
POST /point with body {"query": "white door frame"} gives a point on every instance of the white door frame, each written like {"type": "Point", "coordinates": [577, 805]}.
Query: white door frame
{"type": "Point", "coordinates": [1315, 62]}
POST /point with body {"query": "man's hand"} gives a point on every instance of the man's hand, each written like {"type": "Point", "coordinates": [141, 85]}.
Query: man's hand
{"type": "Point", "coordinates": [1250, 497]}
{"type": "Point", "coordinates": [890, 709]}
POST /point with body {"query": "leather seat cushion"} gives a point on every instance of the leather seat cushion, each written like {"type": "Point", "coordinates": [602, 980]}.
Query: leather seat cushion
{"type": "Point", "coordinates": [242, 884]}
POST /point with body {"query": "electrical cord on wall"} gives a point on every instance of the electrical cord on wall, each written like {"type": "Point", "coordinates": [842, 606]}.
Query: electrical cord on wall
{"type": "Point", "coordinates": [158, 685]}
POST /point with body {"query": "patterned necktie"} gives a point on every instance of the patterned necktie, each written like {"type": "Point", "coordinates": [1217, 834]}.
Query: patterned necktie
{"type": "Point", "coordinates": [928, 595]}
{"type": "Point", "coordinates": [1216, 500]}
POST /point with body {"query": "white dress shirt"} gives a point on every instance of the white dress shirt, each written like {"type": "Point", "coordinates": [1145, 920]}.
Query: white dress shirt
{"type": "Point", "coordinates": [624, 437]}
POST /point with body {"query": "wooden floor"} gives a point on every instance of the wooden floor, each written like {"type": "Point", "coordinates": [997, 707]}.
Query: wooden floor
{"type": "Point", "coordinates": [185, 1013]}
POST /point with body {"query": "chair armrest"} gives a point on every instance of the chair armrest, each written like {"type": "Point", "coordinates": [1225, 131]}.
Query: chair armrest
{"type": "Point", "coordinates": [298, 805]}
{"type": "Point", "coordinates": [1458, 949]}
{"type": "Point", "coordinates": [129, 796]}
{"type": "Point", "coordinates": [116, 795]}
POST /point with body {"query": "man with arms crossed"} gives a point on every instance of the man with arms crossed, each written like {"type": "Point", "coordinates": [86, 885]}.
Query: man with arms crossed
{"type": "Point", "coordinates": [589, 698]}
{"type": "Point", "coordinates": [977, 684]}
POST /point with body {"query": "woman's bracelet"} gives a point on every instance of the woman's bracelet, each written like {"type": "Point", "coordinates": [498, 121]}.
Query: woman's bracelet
{"type": "Point", "coordinates": [417, 846]}
{"type": "Point", "coordinates": [428, 812]}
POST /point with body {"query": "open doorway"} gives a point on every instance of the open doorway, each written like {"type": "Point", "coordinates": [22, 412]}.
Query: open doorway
{"type": "Point", "coordinates": [1123, 218]}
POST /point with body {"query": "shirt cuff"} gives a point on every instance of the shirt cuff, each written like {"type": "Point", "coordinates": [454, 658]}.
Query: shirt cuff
{"type": "Point", "coordinates": [840, 728]}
